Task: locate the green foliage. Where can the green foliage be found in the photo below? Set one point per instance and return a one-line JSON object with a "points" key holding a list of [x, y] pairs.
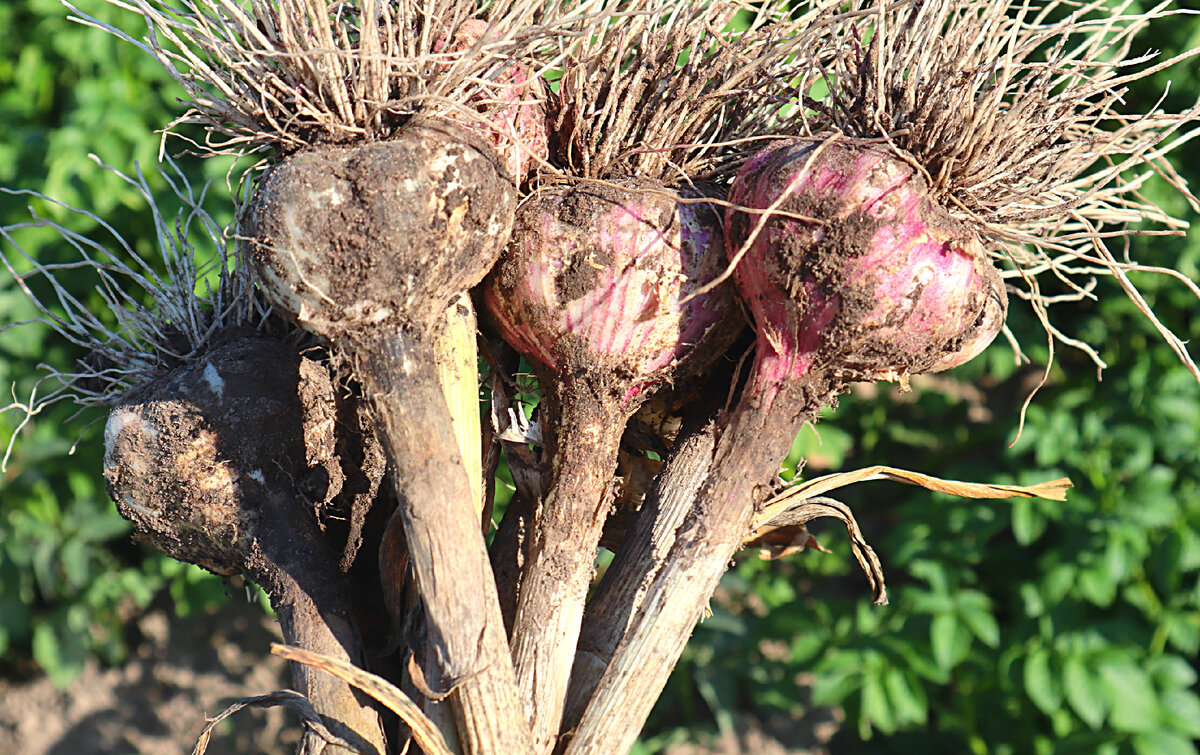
{"points": [[70, 578]]}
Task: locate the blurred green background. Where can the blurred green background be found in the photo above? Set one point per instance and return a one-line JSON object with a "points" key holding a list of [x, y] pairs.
{"points": [[1014, 627]]}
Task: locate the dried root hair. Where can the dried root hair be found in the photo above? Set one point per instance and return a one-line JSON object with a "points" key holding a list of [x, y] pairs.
{"points": [[157, 314], [289, 74], [677, 94], [1010, 108], [1012, 111]]}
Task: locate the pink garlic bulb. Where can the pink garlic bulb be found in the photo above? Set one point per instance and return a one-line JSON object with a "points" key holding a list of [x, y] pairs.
{"points": [[595, 275], [596, 286], [866, 276]]}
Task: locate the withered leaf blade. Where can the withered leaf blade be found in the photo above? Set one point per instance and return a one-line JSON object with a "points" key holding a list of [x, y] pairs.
{"points": [[424, 731], [285, 698], [791, 522], [1054, 490], [777, 542]]}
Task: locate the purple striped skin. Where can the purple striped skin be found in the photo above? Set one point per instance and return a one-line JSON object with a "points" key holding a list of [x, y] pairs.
{"points": [[882, 283], [645, 253]]}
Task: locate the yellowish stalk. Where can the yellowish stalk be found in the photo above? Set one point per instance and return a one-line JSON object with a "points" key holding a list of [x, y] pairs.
{"points": [[458, 371]]}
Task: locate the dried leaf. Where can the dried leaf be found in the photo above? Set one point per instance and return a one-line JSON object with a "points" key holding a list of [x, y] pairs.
{"points": [[1055, 490], [284, 698], [424, 732], [783, 541], [805, 510]]}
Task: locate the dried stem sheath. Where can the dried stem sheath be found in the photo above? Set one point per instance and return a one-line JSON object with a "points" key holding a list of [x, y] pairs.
{"points": [[623, 588], [441, 526], [745, 456], [507, 557], [561, 552]]}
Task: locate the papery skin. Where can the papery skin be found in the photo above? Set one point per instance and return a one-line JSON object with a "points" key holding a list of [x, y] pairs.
{"points": [[594, 277], [875, 282]]}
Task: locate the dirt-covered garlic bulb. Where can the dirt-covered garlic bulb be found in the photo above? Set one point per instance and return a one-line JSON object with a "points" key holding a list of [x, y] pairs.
{"points": [[859, 273], [366, 246], [210, 463], [598, 276], [596, 288], [224, 446]]}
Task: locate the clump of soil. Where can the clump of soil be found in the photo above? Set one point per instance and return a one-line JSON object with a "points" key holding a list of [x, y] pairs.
{"points": [[180, 671]]}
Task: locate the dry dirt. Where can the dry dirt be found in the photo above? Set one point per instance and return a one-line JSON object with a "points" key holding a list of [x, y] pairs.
{"points": [[182, 670], [185, 669], [780, 735]]}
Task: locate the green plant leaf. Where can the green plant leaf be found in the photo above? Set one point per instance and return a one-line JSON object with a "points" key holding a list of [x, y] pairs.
{"points": [[74, 559], [1028, 523], [1084, 692], [104, 526], [1031, 600], [1133, 703], [907, 696], [916, 660], [60, 652], [1181, 709], [876, 712], [806, 646], [1041, 684], [1162, 743], [1057, 583], [950, 640], [1171, 672], [1183, 630], [1097, 584], [982, 623], [834, 683]]}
